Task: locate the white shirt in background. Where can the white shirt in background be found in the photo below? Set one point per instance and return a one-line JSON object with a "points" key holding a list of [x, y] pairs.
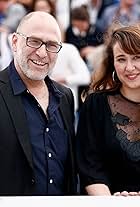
{"points": [[71, 67]]}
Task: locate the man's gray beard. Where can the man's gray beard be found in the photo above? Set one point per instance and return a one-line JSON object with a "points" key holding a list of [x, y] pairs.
{"points": [[27, 72]]}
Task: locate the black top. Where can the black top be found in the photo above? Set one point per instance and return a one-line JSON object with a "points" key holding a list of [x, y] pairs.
{"points": [[108, 148]]}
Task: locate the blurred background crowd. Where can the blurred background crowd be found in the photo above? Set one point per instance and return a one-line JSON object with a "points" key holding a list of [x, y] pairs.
{"points": [[83, 23]]}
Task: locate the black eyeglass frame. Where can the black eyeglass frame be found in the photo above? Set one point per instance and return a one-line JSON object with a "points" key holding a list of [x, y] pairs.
{"points": [[41, 43]]}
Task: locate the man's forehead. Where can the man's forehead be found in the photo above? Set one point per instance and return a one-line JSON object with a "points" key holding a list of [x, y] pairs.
{"points": [[42, 16], [40, 21], [40, 24]]}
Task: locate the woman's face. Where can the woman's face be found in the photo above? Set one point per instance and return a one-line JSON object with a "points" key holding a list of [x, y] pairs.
{"points": [[42, 5], [127, 68]]}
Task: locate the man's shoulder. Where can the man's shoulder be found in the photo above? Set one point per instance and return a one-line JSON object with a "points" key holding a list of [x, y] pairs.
{"points": [[65, 91], [61, 87], [4, 75]]}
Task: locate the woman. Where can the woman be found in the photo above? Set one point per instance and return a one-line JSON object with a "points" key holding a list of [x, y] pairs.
{"points": [[44, 5], [108, 134]]}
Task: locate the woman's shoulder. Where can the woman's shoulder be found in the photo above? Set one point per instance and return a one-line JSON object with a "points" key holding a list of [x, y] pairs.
{"points": [[101, 94], [94, 96], [98, 100]]}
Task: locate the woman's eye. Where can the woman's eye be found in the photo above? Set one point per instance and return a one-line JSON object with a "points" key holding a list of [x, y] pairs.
{"points": [[121, 60], [137, 57]]}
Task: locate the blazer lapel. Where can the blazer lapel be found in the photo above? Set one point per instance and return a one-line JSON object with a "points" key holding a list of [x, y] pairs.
{"points": [[66, 115], [15, 107]]}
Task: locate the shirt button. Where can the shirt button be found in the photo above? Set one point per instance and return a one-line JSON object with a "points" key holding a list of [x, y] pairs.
{"points": [[47, 129], [51, 181], [50, 154], [33, 181]]}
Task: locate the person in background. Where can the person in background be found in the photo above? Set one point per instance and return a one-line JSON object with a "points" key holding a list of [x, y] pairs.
{"points": [[37, 134], [47, 6], [125, 11], [26, 3], [3, 8], [81, 33], [93, 7], [44, 5], [15, 12], [108, 135], [71, 70], [105, 4]]}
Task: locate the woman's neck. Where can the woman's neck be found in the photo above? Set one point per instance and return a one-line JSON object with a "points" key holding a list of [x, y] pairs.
{"points": [[132, 95]]}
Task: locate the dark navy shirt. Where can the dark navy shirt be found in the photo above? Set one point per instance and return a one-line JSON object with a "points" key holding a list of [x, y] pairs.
{"points": [[48, 137]]}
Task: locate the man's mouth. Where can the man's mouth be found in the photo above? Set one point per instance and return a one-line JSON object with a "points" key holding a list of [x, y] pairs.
{"points": [[39, 63]]}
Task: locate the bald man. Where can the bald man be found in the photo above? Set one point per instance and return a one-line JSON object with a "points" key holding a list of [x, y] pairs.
{"points": [[37, 115]]}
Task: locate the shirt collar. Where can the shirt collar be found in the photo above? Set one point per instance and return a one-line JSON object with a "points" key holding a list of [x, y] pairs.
{"points": [[19, 87], [52, 87]]}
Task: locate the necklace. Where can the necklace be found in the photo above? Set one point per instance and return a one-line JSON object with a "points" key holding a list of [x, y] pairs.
{"points": [[134, 102]]}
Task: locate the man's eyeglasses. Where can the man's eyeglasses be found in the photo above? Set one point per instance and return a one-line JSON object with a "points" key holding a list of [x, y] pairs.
{"points": [[51, 46]]}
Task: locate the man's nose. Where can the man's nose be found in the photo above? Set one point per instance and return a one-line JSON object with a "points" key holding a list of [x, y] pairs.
{"points": [[42, 52]]}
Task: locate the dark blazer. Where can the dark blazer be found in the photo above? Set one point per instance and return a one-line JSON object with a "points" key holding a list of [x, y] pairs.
{"points": [[16, 165]]}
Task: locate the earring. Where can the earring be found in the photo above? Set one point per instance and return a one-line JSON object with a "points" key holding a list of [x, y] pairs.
{"points": [[113, 76]]}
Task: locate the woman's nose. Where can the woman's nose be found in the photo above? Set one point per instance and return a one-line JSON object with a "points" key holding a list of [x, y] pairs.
{"points": [[130, 66]]}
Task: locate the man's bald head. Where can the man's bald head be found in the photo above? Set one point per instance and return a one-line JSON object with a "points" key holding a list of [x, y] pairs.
{"points": [[38, 16]]}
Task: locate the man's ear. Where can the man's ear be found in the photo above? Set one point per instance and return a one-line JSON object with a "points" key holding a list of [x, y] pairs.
{"points": [[14, 42]]}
